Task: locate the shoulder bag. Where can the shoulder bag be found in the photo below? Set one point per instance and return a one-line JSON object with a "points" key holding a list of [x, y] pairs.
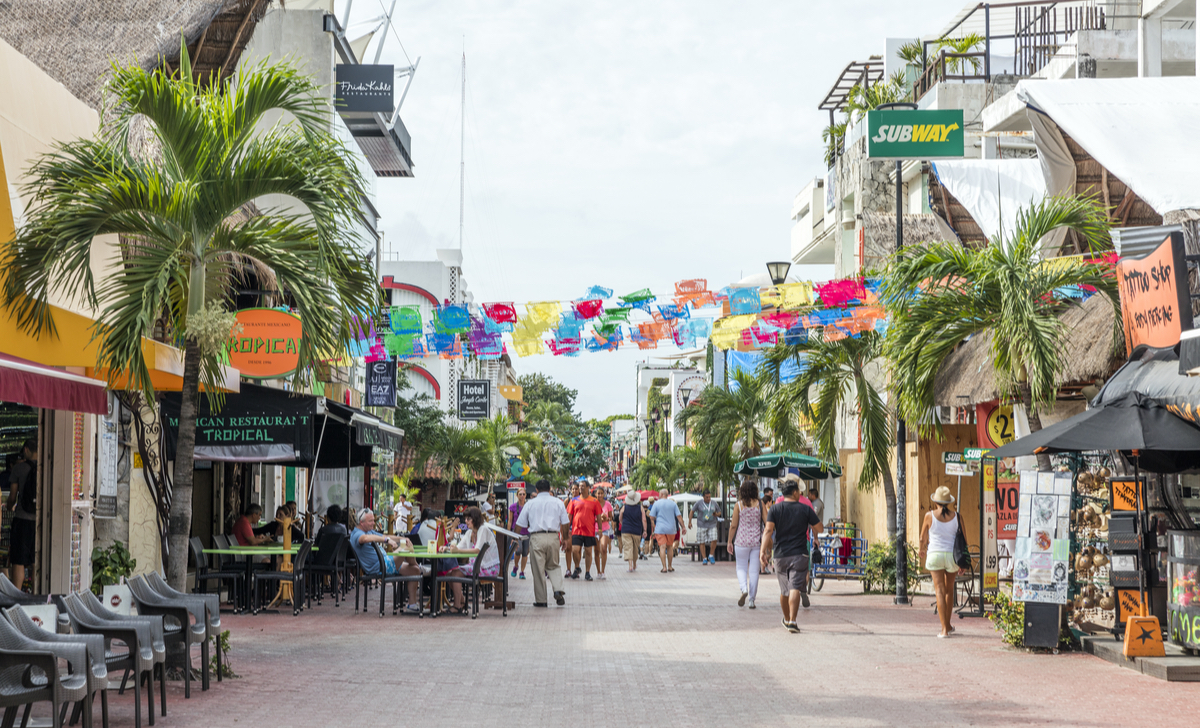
{"points": [[962, 554]]}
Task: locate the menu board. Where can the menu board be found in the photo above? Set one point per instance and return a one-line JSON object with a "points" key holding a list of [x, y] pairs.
{"points": [[1043, 547]]}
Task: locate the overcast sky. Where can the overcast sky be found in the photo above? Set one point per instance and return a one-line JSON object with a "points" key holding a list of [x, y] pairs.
{"points": [[624, 144]]}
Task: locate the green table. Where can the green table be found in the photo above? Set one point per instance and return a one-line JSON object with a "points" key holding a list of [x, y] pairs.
{"points": [[253, 551]]}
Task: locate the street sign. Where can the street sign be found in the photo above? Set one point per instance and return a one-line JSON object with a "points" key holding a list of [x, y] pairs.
{"points": [[474, 399], [974, 453], [957, 464], [913, 134]]}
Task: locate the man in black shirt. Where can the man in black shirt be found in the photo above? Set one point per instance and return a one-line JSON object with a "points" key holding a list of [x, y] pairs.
{"points": [[788, 523]]}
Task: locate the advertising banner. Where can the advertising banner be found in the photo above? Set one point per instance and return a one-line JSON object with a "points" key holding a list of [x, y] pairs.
{"points": [[913, 134], [381, 384], [1153, 288], [1043, 543], [988, 549]]}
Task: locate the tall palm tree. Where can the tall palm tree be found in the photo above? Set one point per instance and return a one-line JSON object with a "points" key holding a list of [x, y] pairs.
{"points": [[502, 441], [460, 454], [940, 294], [182, 228], [652, 472], [839, 374]]}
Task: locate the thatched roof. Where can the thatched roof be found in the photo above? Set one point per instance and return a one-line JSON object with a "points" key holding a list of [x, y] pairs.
{"points": [[1089, 356], [77, 41], [879, 234]]}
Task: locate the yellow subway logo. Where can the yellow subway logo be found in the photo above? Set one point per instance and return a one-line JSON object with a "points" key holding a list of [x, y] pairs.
{"points": [[901, 133]]}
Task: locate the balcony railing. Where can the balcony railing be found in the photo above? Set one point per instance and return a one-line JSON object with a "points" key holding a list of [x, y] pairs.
{"points": [[952, 67]]}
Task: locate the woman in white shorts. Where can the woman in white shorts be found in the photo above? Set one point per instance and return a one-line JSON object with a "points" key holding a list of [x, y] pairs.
{"points": [[937, 552]]}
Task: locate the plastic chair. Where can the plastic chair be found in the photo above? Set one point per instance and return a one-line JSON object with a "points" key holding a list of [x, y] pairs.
{"points": [[97, 672], [471, 581], [21, 685], [395, 580], [10, 592], [149, 602], [295, 577], [140, 656]]}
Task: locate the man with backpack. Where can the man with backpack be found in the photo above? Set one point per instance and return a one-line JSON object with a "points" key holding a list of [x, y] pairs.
{"points": [[22, 500]]}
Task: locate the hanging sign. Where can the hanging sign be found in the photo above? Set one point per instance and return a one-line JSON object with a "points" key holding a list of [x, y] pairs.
{"points": [[991, 559], [268, 346], [365, 88], [381, 384], [1153, 288], [106, 470], [474, 399], [913, 134], [957, 464], [995, 424]]}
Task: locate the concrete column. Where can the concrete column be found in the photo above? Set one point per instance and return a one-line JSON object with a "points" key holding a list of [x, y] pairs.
{"points": [[1149, 47]]}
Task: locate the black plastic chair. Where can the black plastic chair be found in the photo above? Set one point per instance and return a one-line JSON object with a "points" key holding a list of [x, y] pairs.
{"points": [[97, 672], [141, 653], [295, 577], [205, 573], [149, 602], [29, 674], [471, 582], [395, 580], [330, 560], [501, 579]]}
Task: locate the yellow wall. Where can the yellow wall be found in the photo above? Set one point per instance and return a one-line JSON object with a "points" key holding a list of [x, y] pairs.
{"points": [[35, 113], [144, 544]]}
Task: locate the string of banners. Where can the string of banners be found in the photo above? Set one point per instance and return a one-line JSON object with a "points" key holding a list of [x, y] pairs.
{"points": [[599, 321]]}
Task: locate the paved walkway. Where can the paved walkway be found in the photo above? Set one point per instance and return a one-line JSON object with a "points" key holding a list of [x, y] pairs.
{"points": [[651, 649]]}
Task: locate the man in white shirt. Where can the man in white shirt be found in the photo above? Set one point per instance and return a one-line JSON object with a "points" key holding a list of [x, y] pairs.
{"points": [[401, 511], [549, 530]]}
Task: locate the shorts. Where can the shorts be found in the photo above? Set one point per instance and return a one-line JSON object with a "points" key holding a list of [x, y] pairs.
{"points": [[664, 539], [522, 548], [21, 542], [584, 541], [792, 572], [941, 561], [706, 535]]}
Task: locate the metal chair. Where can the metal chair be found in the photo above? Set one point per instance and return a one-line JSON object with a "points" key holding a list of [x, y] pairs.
{"points": [[205, 573], [149, 602], [501, 579], [97, 673], [295, 577], [471, 581], [139, 656], [395, 580], [330, 561]]}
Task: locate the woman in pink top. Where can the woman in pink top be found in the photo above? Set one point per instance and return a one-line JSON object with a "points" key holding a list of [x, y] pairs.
{"points": [[604, 532], [745, 539]]}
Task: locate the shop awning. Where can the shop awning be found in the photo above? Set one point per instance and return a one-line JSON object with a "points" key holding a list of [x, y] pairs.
{"points": [[777, 465], [266, 425], [28, 383], [75, 347]]}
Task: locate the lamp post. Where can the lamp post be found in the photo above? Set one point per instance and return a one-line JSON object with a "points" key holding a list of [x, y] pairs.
{"points": [[778, 271]]}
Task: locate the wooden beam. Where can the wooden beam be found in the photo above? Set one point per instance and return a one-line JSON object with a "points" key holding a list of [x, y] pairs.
{"points": [[238, 36], [200, 46], [1126, 205]]}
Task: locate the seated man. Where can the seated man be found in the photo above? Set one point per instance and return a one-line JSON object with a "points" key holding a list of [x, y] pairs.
{"points": [[245, 532], [334, 522], [361, 538]]}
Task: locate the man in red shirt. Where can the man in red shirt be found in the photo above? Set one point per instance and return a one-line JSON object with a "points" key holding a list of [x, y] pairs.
{"points": [[243, 530], [583, 512]]}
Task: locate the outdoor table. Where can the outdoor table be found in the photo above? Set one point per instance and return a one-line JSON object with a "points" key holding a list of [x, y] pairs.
{"points": [[423, 554], [248, 551]]}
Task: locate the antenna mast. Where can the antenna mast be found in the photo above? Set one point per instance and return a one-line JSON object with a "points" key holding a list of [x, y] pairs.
{"points": [[462, 143]]}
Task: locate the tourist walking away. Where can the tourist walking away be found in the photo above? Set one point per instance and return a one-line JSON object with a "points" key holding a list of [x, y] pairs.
{"points": [[604, 531], [786, 538], [584, 512], [521, 553], [648, 537], [938, 531], [633, 527], [546, 519], [667, 523], [22, 501], [768, 499], [705, 514], [361, 538], [745, 540]]}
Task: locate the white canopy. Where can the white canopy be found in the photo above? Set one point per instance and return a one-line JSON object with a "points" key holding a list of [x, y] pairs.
{"points": [[993, 190], [1143, 130]]}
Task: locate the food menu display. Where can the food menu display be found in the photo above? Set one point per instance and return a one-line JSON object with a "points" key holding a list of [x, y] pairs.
{"points": [[1043, 543]]}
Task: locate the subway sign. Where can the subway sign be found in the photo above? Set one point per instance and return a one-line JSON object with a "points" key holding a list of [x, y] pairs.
{"points": [[913, 134]]}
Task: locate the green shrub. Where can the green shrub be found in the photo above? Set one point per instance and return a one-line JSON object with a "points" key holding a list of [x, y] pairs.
{"points": [[110, 565], [1008, 619], [879, 569]]}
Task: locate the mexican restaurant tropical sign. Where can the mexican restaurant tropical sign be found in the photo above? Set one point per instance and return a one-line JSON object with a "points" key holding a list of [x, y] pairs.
{"points": [[1155, 305], [914, 134], [268, 345]]}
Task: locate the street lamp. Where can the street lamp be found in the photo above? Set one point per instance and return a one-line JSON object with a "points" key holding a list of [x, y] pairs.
{"points": [[778, 270], [685, 393]]}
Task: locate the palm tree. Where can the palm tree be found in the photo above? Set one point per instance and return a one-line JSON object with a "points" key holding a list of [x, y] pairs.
{"points": [[460, 454], [652, 472], [839, 374], [501, 441], [183, 228], [940, 294]]}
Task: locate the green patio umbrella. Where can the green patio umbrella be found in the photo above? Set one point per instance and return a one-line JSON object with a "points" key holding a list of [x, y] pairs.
{"points": [[775, 465]]}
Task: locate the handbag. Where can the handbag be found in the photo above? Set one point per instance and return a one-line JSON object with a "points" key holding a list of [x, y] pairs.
{"points": [[962, 554], [817, 556]]}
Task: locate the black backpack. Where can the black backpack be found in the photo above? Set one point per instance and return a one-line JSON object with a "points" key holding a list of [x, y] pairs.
{"points": [[27, 495]]}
